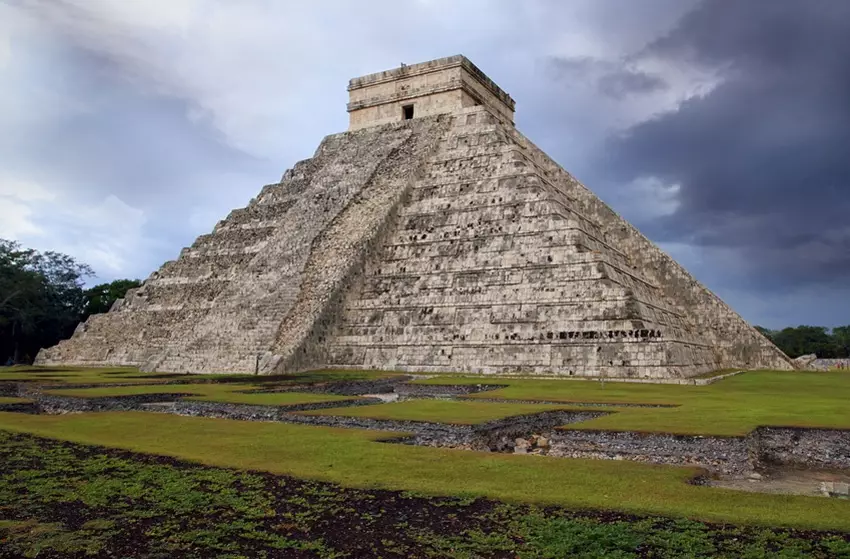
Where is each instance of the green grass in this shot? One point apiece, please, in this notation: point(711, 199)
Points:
point(356, 458)
point(732, 406)
point(440, 411)
point(80, 375)
point(13, 400)
point(117, 375)
point(229, 393)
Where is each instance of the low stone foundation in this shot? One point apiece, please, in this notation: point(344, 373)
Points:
point(812, 448)
point(52, 404)
point(725, 455)
point(346, 388)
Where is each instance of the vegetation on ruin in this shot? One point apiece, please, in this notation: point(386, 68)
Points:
point(733, 406)
point(441, 411)
point(12, 400)
point(807, 340)
point(358, 458)
point(59, 500)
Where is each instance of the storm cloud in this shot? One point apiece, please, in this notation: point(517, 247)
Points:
point(762, 161)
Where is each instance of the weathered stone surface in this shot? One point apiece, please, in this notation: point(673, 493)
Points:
point(827, 364)
point(447, 242)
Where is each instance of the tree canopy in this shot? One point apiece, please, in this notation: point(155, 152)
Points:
point(99, 298)
point(805, 340)
point(42, 299)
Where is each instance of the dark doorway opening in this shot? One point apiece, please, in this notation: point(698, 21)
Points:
point(407, 112)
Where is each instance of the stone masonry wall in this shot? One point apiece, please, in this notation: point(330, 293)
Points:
point(221, 304)
point(496, 265)
point(339, 253)
point(734, 342)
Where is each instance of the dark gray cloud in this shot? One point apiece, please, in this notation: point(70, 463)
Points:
point(614, 79)
point(762, 160)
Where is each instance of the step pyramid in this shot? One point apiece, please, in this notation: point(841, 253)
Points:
point(432, 236)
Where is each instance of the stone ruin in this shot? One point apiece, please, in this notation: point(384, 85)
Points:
point(431, 236)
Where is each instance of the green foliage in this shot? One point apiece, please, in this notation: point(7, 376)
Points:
point(806, 340)
point(99, 299)
point(41, 299)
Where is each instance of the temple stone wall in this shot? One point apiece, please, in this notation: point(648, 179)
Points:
point(436, 87)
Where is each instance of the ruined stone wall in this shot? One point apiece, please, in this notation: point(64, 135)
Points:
point(728, 455)
point(829, 364)
point(790, 446)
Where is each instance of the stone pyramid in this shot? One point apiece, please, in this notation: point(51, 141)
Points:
point(431, 236)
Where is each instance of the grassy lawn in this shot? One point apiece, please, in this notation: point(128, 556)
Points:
point(13, 400)
point(117, 375)
point(732, 406)
point(79, 375)
point(355, 458)
point(230, 393)
point(440, 411)
point(76, 500)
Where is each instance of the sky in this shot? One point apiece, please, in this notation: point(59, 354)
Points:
point(720, 128)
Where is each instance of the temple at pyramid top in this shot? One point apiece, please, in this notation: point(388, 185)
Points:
point(435, 87)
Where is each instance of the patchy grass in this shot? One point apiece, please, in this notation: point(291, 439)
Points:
point(118, 375)
point(80, 375)
point(13, 400)
point(441, 411)
point(229, 393)
point(357, 458)
point(732, 406)
point(71, 500)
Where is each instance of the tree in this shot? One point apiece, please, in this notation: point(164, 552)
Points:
point(99, 299)
point(804, 340)
point(841, 335)
point(41, 299)
point(767, 333)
